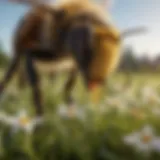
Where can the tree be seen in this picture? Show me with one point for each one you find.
(129, 61)
(4, 59)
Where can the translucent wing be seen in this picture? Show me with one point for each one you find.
(105, 4)
(28, 2)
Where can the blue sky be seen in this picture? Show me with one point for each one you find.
(125, 14)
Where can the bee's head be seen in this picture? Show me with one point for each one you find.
(96, 48)
(105, 55)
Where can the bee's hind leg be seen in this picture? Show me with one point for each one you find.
(9, 74)
(22, 76)
(67, 94)
(68, 88)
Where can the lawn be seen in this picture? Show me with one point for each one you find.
(124, 126)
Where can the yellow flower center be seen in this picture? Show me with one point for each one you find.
(146, 138)
(24, 121)
(71, 111)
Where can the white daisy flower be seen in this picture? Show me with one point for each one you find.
(144, 140)
(21, 122)
(156, 144)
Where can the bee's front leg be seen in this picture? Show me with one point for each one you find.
(34, 82)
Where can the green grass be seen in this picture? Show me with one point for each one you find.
(95, 132)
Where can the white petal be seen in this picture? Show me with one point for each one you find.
(147, 130)
(37, 121)
(144, 146)
(11, 121)
(132, 139)
(156, 144)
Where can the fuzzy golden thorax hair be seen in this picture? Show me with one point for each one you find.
(73, 8)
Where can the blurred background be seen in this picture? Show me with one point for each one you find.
(143, 50)
(125, 126)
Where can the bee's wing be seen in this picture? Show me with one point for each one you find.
(105, 4)
(27, 2)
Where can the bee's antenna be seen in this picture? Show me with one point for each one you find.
(133, 31)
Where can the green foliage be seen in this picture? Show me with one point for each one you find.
(129, 62)
(4, 59)
(97, 134)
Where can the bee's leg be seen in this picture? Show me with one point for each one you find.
(34, 82)
(22, 77)
(68, 88)
(79, 41)
(9, 74)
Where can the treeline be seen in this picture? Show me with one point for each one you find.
(4, 58)
(130, 62)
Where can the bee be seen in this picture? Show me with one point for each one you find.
(72, 35)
